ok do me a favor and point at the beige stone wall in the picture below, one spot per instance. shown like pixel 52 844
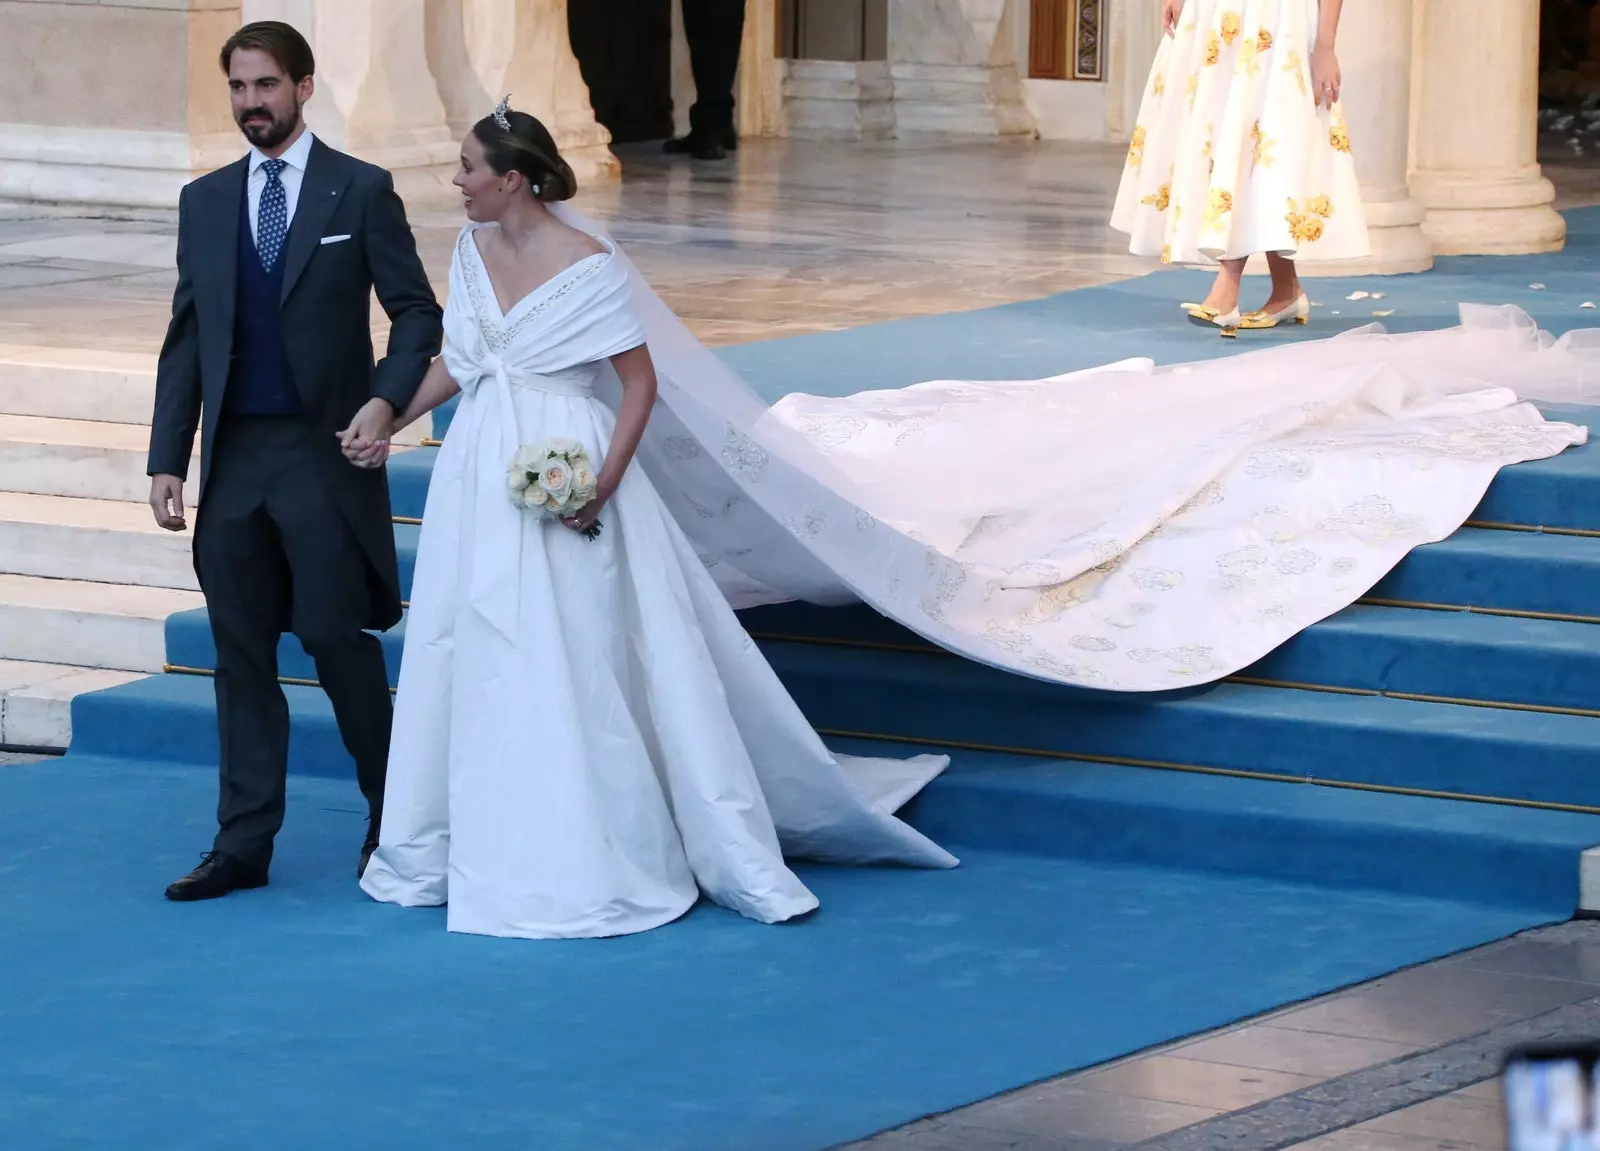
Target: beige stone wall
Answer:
pixel 117 103
pixel 135 65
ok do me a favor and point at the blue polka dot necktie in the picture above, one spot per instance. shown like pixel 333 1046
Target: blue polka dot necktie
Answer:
pixel 272 215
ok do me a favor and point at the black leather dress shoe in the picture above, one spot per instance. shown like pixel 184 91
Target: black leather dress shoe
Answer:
pixel 218 874
pixel 369 844
pixel 699 147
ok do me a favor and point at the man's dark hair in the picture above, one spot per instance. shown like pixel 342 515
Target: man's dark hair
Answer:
pixel 278 40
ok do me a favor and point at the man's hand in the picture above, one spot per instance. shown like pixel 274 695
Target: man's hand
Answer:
pixel 166 500
pixel 366 441
pixel 1170 11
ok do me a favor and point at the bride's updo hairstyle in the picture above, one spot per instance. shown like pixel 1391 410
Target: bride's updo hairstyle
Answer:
pixel 526 146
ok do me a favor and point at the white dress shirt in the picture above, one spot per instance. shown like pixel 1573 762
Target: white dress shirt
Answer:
pixel 297 155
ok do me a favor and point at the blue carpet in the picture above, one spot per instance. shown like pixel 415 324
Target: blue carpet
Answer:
pixel 305 1016
pixel 1100 908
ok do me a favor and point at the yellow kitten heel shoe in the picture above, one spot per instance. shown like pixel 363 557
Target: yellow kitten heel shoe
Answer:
pixel 1299 312
pixel 1229 322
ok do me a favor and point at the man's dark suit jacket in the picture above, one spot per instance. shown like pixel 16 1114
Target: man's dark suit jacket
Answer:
pixel 326 302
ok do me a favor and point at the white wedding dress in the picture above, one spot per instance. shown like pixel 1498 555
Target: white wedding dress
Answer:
pixel 584 736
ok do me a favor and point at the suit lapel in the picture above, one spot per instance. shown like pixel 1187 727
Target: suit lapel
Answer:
pixel 221 231
pixel 321 189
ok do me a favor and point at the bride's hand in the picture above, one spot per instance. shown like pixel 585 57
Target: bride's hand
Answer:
pixel 1325 78
pixel 590 512
pixel 365 442
pixel 1171 10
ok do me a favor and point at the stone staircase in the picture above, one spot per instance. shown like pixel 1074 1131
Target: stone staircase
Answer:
pixel 87 579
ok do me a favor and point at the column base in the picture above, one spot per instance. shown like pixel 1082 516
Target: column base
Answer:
pixel 960 100
pixel 837 100
pixel 1495 231
pixel 112 168
pixel 1489 215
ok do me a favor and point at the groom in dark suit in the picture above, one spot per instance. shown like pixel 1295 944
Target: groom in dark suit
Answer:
pixel 270 340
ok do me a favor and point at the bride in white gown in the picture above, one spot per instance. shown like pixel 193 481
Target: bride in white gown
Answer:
pixel 585 739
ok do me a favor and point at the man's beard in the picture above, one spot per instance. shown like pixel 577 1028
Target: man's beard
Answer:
pixel 273 132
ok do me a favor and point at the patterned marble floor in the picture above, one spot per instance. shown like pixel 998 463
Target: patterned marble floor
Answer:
pixel 788 238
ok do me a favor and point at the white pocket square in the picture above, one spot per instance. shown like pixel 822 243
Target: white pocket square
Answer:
pixel 333 239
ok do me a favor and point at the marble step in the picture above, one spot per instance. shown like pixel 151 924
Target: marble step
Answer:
pixel 105 541
pixel 84 459
pixel 77 384
pixel 85 624
pixel 36 700
pixel 106 387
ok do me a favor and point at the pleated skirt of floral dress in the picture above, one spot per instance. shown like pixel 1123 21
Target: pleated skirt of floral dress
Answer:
pixel 1230 154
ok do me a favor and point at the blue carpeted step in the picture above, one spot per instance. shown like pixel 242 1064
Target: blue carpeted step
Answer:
pixel 1363 739
pixel 1503 571
pixel 1560 492
pixel 409 472
pixel 1327 836
pixel 1450 655
pixel 1475 853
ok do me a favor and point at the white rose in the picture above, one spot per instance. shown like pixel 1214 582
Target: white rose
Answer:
pixel 534 497
pixel 516 478
pixel 583 481
pixel 555 477
pixel 565 447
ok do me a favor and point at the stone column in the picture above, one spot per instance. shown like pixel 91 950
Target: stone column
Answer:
pixel 383 102
pixel 758 91
pixel 954 69
pixel 521 48
pixel 1475 153
pixel 1374 49
pixel 123 126
pixel 376 96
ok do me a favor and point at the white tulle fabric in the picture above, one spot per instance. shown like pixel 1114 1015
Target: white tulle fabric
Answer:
pixel 585 739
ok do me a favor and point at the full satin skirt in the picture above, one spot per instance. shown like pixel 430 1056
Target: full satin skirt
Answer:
pixel 585 738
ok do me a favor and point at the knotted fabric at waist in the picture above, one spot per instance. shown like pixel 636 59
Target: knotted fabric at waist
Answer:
pixel 575 382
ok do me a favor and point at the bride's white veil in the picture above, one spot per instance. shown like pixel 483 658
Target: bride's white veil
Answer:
pixel 1011 500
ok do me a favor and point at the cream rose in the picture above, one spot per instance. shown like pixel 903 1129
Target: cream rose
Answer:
pixel 555 477
pixel 535 497
pixel 583 481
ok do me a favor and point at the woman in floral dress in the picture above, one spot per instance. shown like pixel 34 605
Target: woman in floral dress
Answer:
pixel 1241 147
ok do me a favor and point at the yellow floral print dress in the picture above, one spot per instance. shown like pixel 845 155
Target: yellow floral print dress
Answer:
pixel 1230 155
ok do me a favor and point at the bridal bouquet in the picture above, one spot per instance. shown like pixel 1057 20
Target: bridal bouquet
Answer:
pixel 555 478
